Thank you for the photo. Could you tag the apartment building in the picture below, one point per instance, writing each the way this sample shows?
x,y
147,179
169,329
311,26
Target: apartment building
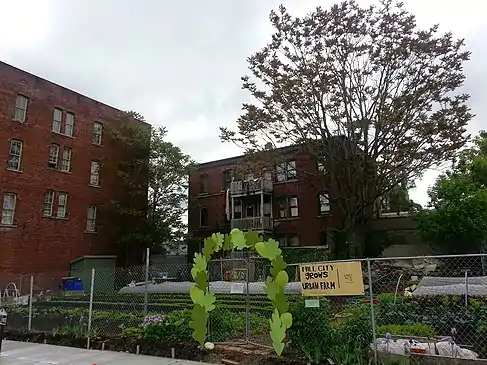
x,y
275,201
59,168
280,201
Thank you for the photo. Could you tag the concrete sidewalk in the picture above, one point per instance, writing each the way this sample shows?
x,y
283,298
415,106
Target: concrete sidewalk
x,y
25,353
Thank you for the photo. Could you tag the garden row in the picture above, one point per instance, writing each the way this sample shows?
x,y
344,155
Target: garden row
x,y
317,333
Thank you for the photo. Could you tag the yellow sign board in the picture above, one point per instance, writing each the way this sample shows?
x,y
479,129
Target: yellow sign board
x,y
331,278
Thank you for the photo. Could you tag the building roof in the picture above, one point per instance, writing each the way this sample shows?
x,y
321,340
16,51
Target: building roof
x,y
16,69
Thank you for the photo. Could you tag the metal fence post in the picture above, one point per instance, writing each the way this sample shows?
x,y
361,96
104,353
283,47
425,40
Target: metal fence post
x,y
372,309
247,305
31,298
146,284
90,311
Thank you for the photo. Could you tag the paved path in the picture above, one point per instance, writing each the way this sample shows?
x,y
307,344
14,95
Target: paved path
x,y
25,353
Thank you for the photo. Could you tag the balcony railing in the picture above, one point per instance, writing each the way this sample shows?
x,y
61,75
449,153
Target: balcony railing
x,y
254,224
251,186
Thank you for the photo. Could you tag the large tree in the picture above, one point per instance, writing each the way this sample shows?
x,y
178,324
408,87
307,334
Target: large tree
x,y
156,173
456,221
368,94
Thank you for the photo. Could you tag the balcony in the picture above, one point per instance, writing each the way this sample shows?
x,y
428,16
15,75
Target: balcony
x,y
254,186
254,224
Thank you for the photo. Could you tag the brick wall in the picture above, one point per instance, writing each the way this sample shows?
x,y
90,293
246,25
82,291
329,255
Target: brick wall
x,y
308,226
36,243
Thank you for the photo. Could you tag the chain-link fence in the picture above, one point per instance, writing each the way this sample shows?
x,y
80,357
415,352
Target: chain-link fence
x,y
419,303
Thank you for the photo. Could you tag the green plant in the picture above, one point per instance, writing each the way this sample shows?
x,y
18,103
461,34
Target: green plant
x,y
355,332
76,331
389,298
133,332
204,302
413,330
312,334
174,327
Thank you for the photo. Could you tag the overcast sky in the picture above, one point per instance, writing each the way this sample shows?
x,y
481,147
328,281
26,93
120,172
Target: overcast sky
x,y
179,62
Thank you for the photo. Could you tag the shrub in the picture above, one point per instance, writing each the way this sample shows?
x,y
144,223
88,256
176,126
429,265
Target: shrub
x,y
413,330
312,334
173,327
226,325
355,332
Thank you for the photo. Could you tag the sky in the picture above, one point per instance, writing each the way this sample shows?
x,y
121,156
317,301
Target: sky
x,y
179,63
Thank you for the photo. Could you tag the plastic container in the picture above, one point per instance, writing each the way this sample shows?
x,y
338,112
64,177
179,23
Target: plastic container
x,y
72,284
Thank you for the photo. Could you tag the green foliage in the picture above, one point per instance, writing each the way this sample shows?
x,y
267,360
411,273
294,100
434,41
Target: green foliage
x,y
174,328
133,332
312,334
456,221
228,324
76,331
156,175
275,284
318,335
412,330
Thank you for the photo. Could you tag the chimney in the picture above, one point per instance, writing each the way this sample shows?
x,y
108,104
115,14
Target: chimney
x,y
268,146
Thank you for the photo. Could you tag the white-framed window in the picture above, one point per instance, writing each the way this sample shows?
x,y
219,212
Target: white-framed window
x,y
325,207
286,171
62,205
8,211
53,156
69,126
21,105
48,203
91,219
57,119
97,133
288,207
15,156
66,159
288,240
95,173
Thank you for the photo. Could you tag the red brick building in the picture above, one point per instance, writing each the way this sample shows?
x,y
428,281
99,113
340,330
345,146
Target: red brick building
x,y
281,201
277,201
58,167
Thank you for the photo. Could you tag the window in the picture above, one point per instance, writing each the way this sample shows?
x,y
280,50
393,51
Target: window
x,y
15,156
286,171
288,240
97,133
69,127
203,217
57,119
48,203
8,211
204,184
95,173
53,156
324,203
226,179
66,159
287,207
62,205
20,113
91,219
237,209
